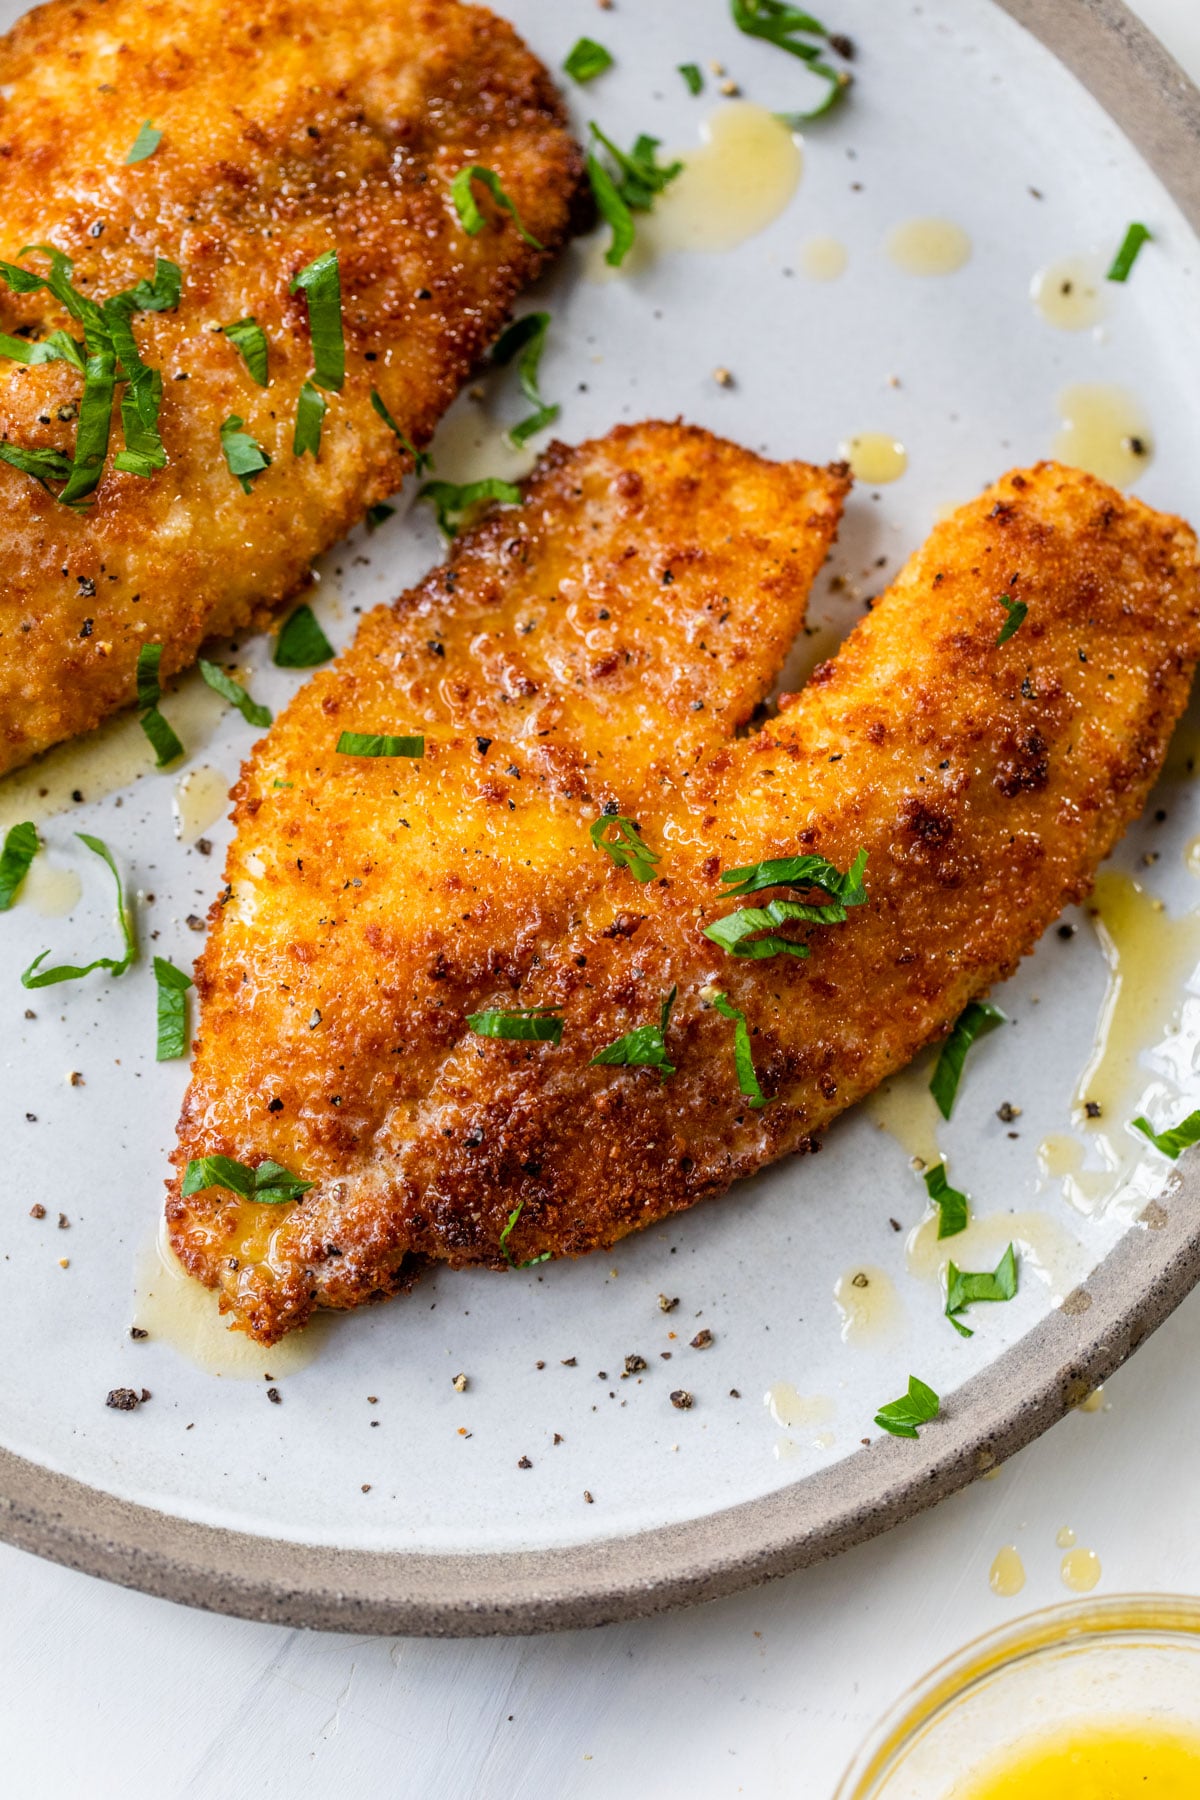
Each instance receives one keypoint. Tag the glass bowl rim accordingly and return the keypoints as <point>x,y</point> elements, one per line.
<point>1169,1618</point>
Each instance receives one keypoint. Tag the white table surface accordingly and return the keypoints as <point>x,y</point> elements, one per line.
<point>107,1693</point>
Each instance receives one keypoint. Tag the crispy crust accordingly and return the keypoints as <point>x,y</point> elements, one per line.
<point>287,129</point>
<point>986,782</point>
<point>591,648</point>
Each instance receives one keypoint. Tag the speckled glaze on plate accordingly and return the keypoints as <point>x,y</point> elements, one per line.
<point>312,1513</point>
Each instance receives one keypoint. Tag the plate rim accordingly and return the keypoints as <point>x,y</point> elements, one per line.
<point>996,1413</point>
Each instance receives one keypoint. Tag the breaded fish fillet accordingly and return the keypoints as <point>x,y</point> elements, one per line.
<point>372,906</point>
<point>287,130</point>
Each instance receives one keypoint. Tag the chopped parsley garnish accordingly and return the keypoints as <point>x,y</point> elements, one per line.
<point>44,465</point>
<point>144,451</point>
<point>629,182</point>
<point>1016,610</point>
<point>692,76</point>
<point>162,294</point>
<point>628,849</point>
<point>1127,255</point>
<point>952,1206</point>
<point>311,407</point>
<point>163,739</point>
<point>421,459</point>
<point>367,743</point>
<point>172,985</point>
<point>37,977</point>
<point>964,1289</point>
<point>643,1047</point>
<point>379,514</point>
<point>235,693</point>
<point>60,346</point>
<point>467,207</point>
<point>144,144</point>
<point>524,1024</point>
<point>902,1417</point>
<point>452,504</point>
<point>92,431</point>
<point>321,285</point>
<point>20,848</point>
<point>587,60</point>
<point>250,341</point>
<point>737,932</point>
<point>525,339</point>
<point>974,1022</point>
<point>243,457</point>
<point>743,1056</point>
<point>270,1182</point>
<point>1176,1139</point>
<point>787,27</point>
<point>529,1262</point>
<point>301,644</point>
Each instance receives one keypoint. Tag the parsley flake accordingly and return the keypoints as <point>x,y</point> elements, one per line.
<point>269,1183</point>
<point>643,1047</point>
<point>467,207</point>
<point>628,850</point>
<point>20,848</point>
<point>250,341</point>
<point>587,60</point>
<point>902,1417</point>
<point>144,144</point>
<point>525,339</point>
<point>964,1289</point>
<point>321,285</point>
<point>37,977</point>
<point>366,743</point>
<point>628,182</point>
<point>974,1022</point>
<point>452,504</point>
<point>301,643</point>
<point>1016,610</point>
<point>522,1024</point>
<point>951,1204</point>
<point>1127,255</point>
<point>530,1261</point>
<point>243,457</point>
<point>235,693</point>
<point>737,932</point>
<point>1176,1139</point>
<point>172,986</point>
<point>743,1056</point>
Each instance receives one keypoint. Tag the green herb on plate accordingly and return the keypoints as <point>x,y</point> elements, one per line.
<point>902,1417</point>
<point>974,1022</point>
<point>1127,255</point>
<point>587,60</point>
<point>452,504</point>
<point>525,339</point>
<point>20,848</point>
<point>37,977</point>
<point>1176,1139</point>
<point>301,644</point>
<point>629,182</point>
<point>952,1206</point>
<point>172,986</point>
<point>235,693</point>
<point>964,1289</point>
<point>311,407</point>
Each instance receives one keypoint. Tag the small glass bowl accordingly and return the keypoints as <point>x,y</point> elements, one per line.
<point>1129,1657</point>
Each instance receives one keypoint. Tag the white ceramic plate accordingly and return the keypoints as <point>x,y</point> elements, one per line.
<point>411,1510</point>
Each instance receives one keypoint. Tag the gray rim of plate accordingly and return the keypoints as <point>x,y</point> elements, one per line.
<point>1005,1407</point>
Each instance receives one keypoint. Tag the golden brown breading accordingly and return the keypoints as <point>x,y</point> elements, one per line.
<point>288,130</point>
<point>373,907</point>
<point>583,650</point>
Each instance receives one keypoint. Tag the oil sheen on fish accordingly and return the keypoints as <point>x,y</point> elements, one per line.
<point>285,131</point>
<point>598,649</point>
